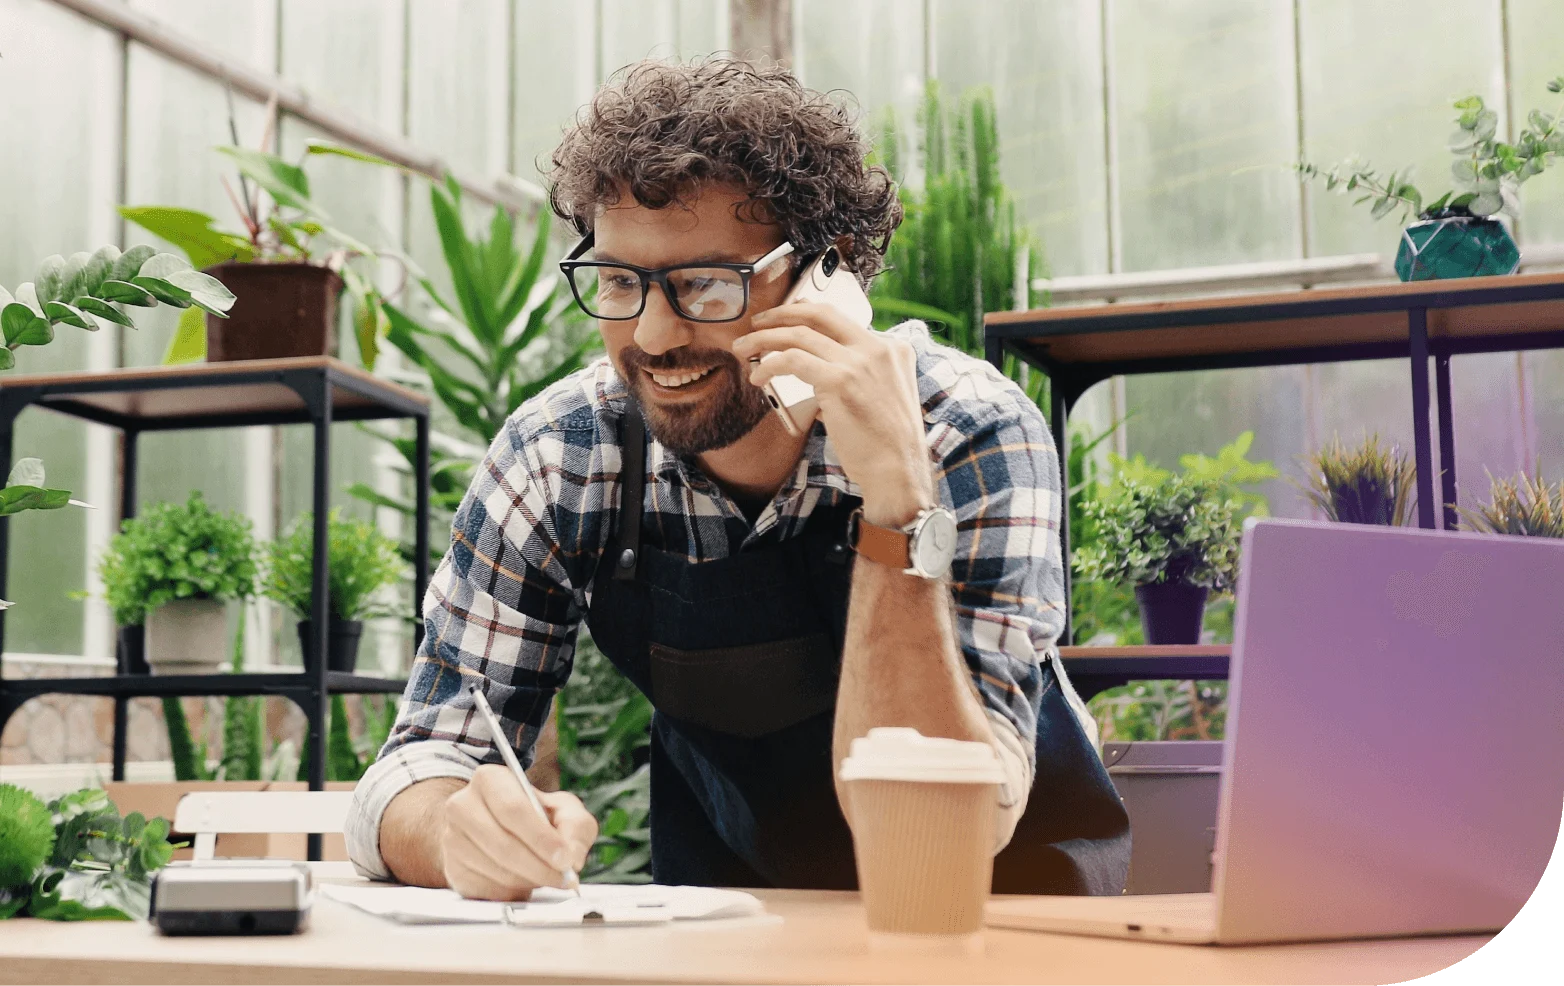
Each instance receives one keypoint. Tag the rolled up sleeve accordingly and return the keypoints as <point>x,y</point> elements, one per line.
<point>500,612</point>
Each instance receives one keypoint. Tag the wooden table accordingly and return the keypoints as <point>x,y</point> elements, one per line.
<point>807,937</point>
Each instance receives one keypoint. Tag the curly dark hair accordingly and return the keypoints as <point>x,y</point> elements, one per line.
<point>663,131</point>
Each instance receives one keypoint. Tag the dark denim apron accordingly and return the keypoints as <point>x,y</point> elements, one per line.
<point>740,658</point>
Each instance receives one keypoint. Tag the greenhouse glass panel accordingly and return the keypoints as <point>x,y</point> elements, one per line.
<point>873,49</point>
<point>550,79</point>
<point>1044,65</point>
<point>631,30</point>
<point>1390,108</point>
<point>59,98</point>
<point>1205,123</point>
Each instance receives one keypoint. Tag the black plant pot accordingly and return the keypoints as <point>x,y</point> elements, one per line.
<point>132,654</point>
<point>341,643</point>
<point>1171,612</point>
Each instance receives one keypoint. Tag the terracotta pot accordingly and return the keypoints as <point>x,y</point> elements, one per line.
<point>342,638</point>
<point>282,310</point>
<point>1171,612</point>
<point>187,636</point>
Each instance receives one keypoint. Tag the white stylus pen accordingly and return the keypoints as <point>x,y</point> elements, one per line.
<point>497,736</point>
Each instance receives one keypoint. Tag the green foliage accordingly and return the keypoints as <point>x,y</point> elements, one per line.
<point>244,726</point>
<point>361,562</point>
<point>510,333</point>
<point>70,290</point>
<point>1369,484</point>
<point>93,865</point>
<point>1487,173</point>
<point>956,253</point>
<point>26,836</point>
<point>603,723</point>
<point>346,759</point>
<point>189,757</point>
<point>1177,530</point>
<point>288,228</point>
<point>177,552</point>
<point>24,490</point>
<point>1523,505</point>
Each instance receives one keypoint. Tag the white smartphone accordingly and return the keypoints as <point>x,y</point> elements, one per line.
<point>825,280</point>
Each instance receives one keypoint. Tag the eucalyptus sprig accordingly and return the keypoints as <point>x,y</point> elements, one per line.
<point>76,859</point>
<point>70,291</point>
<point>1487,172</point>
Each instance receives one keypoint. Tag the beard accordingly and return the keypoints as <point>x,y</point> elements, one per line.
<point>729,412</point>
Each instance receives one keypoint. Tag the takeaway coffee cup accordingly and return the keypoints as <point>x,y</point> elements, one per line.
<point>923,829</point>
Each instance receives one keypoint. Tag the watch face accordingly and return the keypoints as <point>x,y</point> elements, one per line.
<point>935,544</point>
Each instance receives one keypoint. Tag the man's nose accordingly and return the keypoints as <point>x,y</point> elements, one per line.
<point>660,328</point>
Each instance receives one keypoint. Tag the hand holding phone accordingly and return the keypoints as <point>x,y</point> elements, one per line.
<point>826,281</point>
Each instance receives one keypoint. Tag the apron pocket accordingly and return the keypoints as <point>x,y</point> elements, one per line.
<point>746,691</point>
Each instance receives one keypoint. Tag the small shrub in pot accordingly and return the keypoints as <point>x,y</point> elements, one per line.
<point>361,560</point>
<point>174,568</point>
<point>1174,540</point>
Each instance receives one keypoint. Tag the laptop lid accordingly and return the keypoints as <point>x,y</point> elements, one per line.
<point>1395,732</point>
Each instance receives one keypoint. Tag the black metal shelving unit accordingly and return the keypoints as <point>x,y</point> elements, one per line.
<point>317,391</point>
<point>1420,322</point>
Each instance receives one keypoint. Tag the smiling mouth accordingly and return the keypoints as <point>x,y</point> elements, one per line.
<point>683,378</point>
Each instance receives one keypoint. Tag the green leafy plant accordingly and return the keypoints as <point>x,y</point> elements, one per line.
<point>1487,173</point>
<point>604,723</point>
<point>1523,505</point>
<point>285,226</point>
<point>177,552</point>
<point>1178,530</point>
<point>76,859</point>
<point>70,291</point>
<point>960,246</point>
<point>1369,484</point>
<point>361,561</point>
<point>511,332</point>
<point>346,758</point>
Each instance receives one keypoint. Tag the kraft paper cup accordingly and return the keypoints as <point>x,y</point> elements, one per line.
<point>923,830</point>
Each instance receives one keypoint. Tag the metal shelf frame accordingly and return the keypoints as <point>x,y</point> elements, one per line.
<point>313,391</point>
<point>1387,321</point>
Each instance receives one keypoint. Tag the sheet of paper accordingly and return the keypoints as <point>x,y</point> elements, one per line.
<point>614,903</point>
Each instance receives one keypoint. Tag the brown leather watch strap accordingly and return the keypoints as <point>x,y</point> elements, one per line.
<point>885,545</point>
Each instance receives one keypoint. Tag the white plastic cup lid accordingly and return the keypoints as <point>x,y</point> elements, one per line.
<point>897,753</point>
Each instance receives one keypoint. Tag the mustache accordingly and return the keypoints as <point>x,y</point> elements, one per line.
<point>683,358</point>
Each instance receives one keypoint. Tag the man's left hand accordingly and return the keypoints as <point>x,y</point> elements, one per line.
<point>866,384</point>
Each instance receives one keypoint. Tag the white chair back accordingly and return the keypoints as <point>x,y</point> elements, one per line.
<point>206,814</point>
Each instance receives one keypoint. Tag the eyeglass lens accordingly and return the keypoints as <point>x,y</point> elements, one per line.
<point>710,294</point>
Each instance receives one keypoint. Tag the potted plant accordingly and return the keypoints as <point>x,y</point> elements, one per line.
<point>361,560</point>
<point>1175,540</point>
<point>1524,505</point>
<point>1457,234</point>
<point>288,263</point>
<point>175,568</point>
<point>1369,484</point>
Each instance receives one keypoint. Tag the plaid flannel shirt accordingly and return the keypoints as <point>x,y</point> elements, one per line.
<point>505,604</point>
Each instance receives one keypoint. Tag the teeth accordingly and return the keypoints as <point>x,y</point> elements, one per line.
<point>679,379</point>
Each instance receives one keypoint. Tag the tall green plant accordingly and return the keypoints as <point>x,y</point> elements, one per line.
<point>510,332</point>
<point>961,244</point>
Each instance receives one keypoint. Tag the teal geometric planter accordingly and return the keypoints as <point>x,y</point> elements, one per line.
<point>1460,246</point>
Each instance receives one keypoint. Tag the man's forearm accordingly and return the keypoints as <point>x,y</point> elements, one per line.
<point>410,832</point>
<point>901,665</point>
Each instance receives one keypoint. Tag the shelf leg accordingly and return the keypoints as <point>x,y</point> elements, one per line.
<point>1417,336</point>
<point>420,527</point>
<point>129,446</point>
<point>121,725</point>
<point>7,438</point>
<point>1446,410</point>
<point>319,703</point>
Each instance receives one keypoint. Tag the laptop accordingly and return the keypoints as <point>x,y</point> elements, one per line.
<point>1394,743</point>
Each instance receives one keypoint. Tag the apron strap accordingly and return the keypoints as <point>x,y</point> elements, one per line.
<point>632,490</point>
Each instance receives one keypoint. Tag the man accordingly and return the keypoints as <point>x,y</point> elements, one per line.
<point>713,559</point>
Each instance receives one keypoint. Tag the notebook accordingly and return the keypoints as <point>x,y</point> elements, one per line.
<point>598,903</point>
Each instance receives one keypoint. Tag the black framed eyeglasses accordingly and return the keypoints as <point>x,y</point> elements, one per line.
<point>704,292</point>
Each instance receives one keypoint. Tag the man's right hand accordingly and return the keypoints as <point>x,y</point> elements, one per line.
<point>496,847</point>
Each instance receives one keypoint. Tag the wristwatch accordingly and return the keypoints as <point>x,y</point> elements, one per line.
<point>923,548</point>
